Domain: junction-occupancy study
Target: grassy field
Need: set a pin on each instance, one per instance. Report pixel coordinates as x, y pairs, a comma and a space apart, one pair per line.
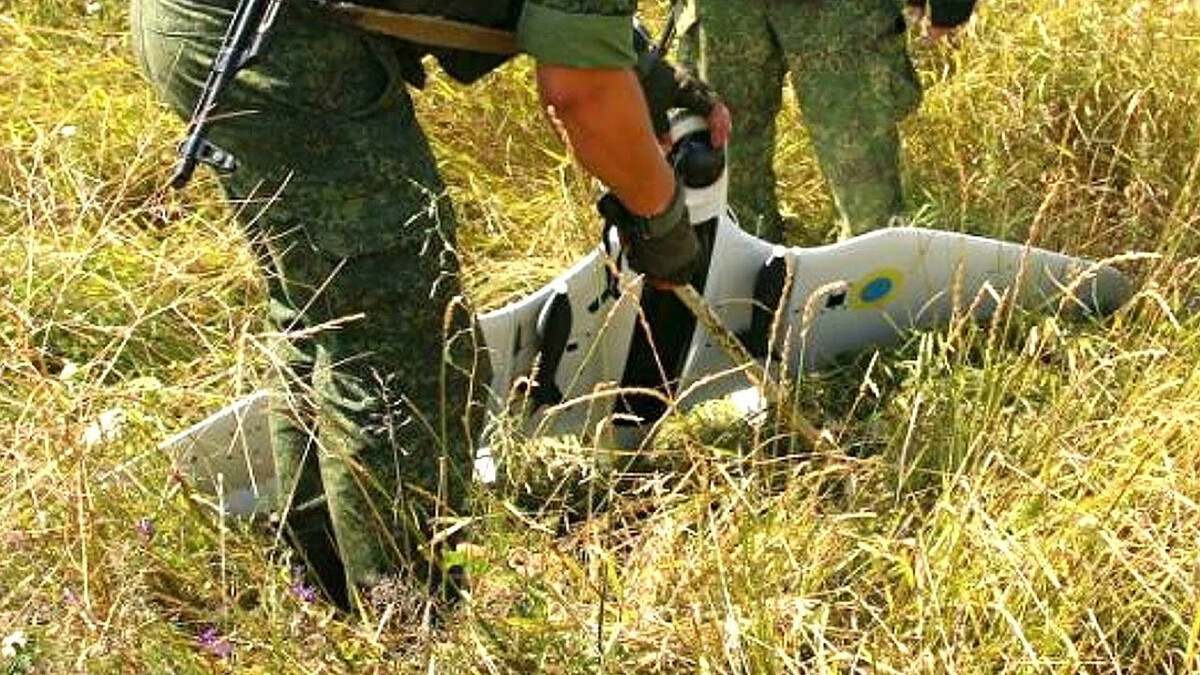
1013, 498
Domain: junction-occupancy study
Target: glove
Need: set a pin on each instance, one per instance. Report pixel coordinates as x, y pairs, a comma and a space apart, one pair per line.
667, 87
663, 247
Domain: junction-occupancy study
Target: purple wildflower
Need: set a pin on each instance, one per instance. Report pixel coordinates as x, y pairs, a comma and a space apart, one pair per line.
305, 593
145, 527
211, 641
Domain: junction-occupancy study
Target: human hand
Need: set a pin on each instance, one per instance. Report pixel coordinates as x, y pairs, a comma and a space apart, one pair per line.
720, 128
667, 86
720, 125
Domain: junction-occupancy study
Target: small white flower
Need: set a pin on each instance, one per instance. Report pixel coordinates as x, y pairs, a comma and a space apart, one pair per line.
733, 633
13, 644
106, 427
92, 8
749, 402
485, 466
68, 130
69, 370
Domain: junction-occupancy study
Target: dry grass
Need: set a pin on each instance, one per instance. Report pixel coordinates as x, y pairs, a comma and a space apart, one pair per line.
1010, 500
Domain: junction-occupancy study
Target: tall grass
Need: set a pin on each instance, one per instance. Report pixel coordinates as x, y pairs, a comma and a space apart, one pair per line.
1020, 497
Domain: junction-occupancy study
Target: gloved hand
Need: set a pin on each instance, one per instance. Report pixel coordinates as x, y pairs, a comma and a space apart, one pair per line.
663, 247
667, 86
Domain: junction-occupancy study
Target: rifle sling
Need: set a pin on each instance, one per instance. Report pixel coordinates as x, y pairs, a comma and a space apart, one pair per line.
425, 29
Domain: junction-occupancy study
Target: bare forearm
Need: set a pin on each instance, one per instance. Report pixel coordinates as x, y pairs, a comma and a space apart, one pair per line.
603, 113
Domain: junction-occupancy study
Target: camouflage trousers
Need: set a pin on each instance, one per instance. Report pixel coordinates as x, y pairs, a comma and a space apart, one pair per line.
339, 194
849, 67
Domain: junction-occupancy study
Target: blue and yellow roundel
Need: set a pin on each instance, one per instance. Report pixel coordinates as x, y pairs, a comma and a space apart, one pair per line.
876, 289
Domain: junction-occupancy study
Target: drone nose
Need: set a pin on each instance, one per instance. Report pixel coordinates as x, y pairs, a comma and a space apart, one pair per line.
697, 163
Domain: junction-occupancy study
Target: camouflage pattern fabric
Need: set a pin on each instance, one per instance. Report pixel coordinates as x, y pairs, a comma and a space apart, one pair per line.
578, 33
853, 80
338, 191
620, 8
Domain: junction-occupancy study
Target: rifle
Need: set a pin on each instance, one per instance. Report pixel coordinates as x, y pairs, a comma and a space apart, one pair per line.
668, 34
659, 49
240, 47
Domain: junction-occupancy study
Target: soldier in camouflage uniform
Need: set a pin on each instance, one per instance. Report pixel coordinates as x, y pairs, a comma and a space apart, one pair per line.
338, 191
853, 80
